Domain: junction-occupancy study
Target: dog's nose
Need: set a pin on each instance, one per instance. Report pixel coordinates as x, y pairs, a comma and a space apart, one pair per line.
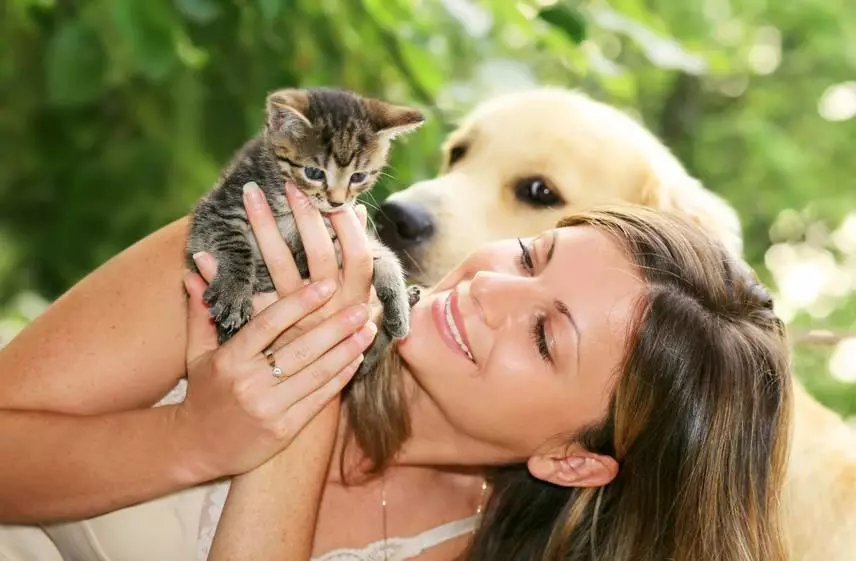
401, 225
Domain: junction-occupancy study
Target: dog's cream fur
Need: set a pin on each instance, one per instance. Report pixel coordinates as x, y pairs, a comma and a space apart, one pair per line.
591, 153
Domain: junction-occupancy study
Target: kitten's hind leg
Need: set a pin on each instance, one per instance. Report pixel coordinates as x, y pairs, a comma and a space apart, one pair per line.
391, 290
374, 353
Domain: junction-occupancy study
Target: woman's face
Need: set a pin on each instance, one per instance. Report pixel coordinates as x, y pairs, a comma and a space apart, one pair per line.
516, 347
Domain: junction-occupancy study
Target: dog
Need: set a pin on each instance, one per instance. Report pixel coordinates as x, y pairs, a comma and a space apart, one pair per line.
520, 162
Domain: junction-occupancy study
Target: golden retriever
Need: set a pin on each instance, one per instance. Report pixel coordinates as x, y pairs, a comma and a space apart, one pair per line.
520, 162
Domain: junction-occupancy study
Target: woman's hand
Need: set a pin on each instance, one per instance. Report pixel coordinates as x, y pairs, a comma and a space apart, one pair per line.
239, 412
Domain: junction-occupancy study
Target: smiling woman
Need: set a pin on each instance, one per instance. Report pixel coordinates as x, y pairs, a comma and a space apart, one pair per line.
625, 376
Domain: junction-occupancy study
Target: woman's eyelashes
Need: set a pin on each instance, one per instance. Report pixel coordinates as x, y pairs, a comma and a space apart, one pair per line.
525, 259
538, 330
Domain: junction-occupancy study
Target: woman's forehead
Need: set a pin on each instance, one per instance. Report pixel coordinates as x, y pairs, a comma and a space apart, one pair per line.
593, 275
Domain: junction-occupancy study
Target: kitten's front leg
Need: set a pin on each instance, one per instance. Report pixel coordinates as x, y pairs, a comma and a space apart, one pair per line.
230, 294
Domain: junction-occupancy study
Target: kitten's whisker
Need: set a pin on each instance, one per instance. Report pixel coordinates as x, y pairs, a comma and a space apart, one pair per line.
413, 261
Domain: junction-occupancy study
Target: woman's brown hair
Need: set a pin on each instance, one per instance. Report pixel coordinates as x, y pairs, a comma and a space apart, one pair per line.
698, 420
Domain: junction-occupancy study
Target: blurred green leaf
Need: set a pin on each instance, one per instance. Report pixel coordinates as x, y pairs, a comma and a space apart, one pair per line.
567, 19
148, 28
270, 9
76, 64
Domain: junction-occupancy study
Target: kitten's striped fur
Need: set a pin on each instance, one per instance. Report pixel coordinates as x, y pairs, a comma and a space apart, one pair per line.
339, 133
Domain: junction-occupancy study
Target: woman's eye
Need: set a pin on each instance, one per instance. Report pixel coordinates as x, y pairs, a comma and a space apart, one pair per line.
358, 177
539, 337
313, 174
525, 259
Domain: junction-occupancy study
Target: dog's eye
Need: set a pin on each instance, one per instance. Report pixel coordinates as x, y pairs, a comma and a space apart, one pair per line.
536, 191
456, 153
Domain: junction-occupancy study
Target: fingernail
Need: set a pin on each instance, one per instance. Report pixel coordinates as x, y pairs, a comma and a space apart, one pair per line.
358, 315
368, 332
292, 189
253, 195
325, 287
197, 256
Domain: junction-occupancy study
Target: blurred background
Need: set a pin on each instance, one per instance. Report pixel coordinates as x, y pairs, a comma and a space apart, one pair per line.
116, 115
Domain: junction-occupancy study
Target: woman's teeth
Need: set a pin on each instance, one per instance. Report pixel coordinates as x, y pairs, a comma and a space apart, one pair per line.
454, 328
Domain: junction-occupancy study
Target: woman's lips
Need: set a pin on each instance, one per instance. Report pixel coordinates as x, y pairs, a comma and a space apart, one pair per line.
459, 321
440, 316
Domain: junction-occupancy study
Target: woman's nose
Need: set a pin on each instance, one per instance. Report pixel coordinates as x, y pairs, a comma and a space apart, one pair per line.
501, 296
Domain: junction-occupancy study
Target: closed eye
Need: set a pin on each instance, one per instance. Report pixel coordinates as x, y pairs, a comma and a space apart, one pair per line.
538, 330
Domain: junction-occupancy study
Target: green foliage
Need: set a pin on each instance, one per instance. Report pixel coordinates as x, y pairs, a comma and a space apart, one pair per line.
118, 114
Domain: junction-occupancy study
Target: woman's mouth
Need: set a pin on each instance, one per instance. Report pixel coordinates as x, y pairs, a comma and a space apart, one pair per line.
448, 317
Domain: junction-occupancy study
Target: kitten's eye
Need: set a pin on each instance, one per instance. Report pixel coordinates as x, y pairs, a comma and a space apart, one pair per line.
358, 177
535, 191
313, 174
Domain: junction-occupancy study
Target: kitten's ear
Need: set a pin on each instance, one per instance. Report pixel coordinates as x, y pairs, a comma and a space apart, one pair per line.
286, 113
394, 120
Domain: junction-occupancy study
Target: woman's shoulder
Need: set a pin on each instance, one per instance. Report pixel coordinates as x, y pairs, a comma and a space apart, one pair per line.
113, 341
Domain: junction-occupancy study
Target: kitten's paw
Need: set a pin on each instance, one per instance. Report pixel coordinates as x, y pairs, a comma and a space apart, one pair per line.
396, 311
231, 306
414, 293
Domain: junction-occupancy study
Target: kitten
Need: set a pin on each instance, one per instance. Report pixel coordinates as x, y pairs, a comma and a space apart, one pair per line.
332, 144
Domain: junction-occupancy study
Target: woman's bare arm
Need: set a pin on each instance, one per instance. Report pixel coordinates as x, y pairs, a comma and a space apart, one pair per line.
115, 342
272, 510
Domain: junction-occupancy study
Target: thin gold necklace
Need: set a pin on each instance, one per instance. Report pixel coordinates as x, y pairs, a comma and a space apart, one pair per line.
383, 508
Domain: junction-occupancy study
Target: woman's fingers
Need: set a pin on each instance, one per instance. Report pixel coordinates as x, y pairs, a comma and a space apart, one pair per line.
357, 262
263, 329
301, 386
274, 250
300, 413
310, 349
201, 331
320, 254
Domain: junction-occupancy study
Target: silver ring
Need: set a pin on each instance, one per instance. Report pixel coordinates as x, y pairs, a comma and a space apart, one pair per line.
271, 360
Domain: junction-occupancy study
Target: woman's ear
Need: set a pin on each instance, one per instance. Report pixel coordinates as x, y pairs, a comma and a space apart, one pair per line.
579, 468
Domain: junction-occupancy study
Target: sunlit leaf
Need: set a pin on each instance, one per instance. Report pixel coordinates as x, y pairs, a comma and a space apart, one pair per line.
200, 11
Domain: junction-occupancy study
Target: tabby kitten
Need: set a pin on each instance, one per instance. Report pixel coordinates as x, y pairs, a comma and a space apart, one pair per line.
332, 144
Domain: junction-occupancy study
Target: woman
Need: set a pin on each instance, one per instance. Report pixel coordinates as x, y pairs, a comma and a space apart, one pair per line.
627, 381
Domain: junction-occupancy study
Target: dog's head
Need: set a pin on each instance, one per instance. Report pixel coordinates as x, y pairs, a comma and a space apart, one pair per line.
520, 162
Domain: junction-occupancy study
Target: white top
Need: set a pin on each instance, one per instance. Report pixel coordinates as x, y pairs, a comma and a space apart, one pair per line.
391, 549
399, 549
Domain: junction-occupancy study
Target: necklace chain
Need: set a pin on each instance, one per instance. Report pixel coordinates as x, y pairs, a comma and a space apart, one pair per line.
383, 508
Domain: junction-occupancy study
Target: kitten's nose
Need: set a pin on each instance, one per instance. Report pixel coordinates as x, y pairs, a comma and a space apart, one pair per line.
401, 225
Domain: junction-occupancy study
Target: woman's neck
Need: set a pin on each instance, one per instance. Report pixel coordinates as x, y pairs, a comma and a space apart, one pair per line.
433, 441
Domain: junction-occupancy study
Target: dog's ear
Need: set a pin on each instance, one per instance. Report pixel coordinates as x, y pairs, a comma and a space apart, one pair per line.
674, 189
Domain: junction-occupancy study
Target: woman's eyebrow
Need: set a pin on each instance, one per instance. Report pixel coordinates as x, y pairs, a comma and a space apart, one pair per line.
563, 309
560, 306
